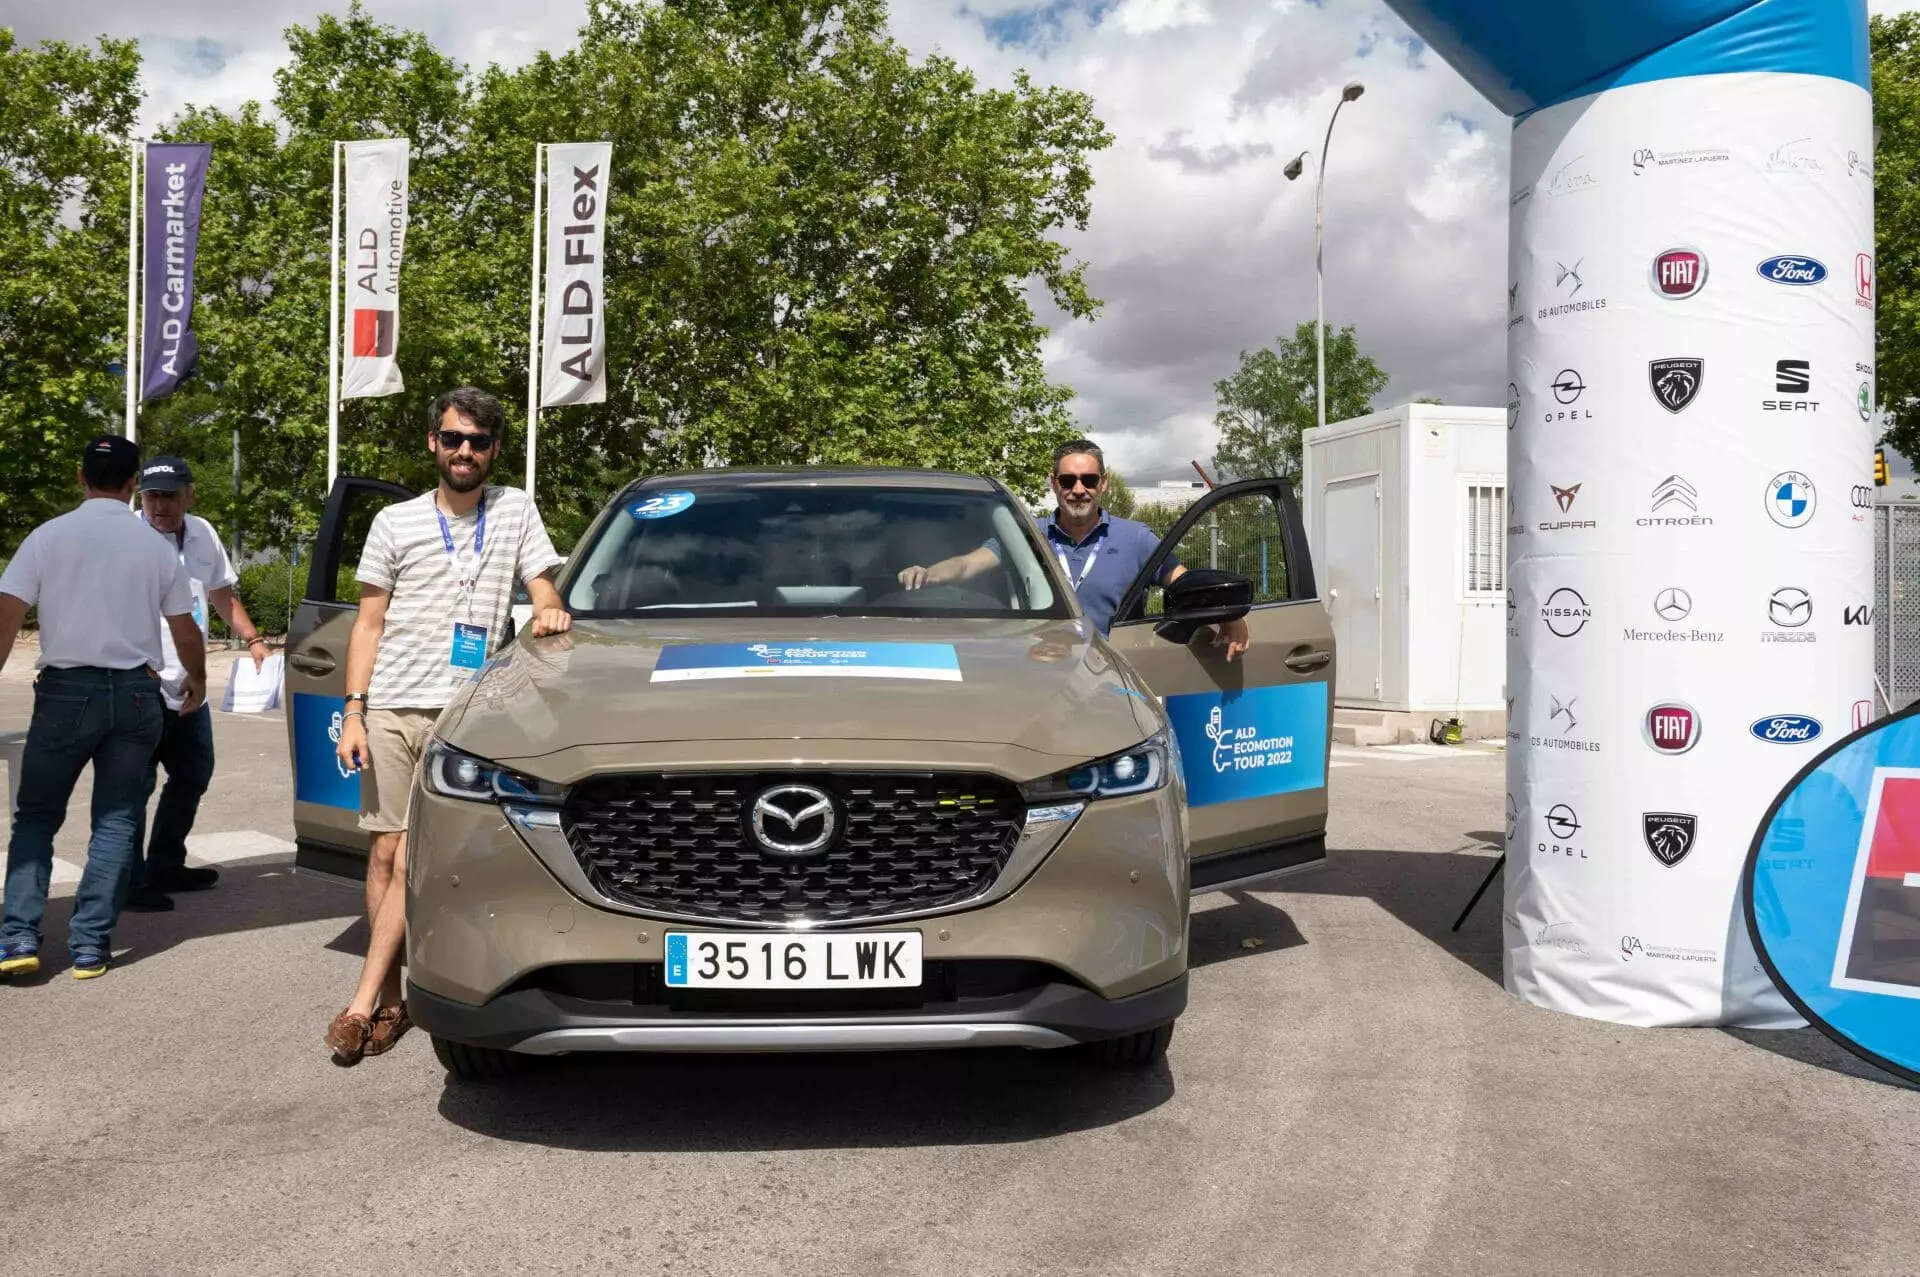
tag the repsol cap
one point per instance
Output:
(165, 474)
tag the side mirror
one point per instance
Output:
(1203, 596)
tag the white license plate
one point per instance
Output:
(783, 960)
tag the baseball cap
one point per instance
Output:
(109, 461)
(165, 474)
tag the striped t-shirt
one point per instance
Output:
(406, 555)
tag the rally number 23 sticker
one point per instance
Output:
(660, 505)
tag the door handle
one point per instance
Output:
(311, 662)
(1308, 661)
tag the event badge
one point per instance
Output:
(469, 646)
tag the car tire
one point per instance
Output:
(477, 1063)
(1134, 1051)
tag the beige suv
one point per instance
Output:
(763, 798)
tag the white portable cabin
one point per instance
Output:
(1406, 517)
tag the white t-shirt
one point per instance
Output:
(208, 569)
(102, 580)
(406, 555)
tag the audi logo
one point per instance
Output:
(1862, 497)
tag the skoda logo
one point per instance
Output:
(793, 820)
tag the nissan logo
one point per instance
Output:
(793, 820)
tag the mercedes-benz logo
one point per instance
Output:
(1672, 604)
(795, 810)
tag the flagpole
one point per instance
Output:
(533, 315)
(133, 281)
(333, 332)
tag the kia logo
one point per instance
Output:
(1858, 614)
(1786, 729)
(1799, 271)
(1679, 273)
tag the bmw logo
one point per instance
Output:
(1790, 499)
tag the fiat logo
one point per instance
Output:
(1672, 727)
(792, 821)
(1679, 273)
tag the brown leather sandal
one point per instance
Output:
(389, 1024)
(347, 1036)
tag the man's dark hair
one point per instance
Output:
(110, 463)
(478, 408)
(1081, 445)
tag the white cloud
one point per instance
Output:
(1142, 17)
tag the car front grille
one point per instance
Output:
(905, 842)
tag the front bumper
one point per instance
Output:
(1105, 911)
(542, 1022)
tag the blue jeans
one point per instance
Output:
(186, 751)
(110, 718)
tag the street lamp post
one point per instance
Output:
(1293, 170)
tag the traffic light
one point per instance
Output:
(1879, 467)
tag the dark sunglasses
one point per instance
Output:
(1070, 481)
(452, 439)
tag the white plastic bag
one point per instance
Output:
(251, 691)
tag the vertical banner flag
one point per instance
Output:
(573, 368)
(176, 182)
(376, 235)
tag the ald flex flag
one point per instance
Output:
(1251, 744)
(574, 369)
(376, 238)
(176, 182)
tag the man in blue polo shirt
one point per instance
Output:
(1100, 554)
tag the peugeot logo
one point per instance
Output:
(794, 810)
(1672, 604)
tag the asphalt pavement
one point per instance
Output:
(1350, 1091)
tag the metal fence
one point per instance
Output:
(1896, 603)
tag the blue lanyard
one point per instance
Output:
(479, 528)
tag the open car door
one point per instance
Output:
(1253, 733)
(326, 800)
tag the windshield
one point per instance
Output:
(806, 549)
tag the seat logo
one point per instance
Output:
(804, 818)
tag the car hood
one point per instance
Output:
(1050, 690)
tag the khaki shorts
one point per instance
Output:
(395, 740)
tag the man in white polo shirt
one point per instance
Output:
(186, 740)
(103, 583)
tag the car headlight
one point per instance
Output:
(453, 774)
(1134, 771)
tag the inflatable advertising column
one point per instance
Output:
(1690, 346)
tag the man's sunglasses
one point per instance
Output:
(452, 439)
(1069, 481)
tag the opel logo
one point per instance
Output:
(793, 820)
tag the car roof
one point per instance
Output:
(817, 476)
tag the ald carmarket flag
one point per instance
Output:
(176, 181)
(574, 369)
(376, 237)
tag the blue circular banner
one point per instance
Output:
(1832, 892)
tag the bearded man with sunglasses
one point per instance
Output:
(1100, 553)
(436, 586)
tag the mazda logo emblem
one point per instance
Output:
(793, 820)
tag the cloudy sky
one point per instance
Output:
(1199, 246)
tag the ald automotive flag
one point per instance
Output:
(574, 366)
(1833, 891)
(376, 236)
(176, 181)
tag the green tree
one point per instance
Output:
(64, 112)
(1895, 43)
(1270, 403)
(1119, 499)
(817, 252)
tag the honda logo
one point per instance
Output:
(1863, 280)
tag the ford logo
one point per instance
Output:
(1792, 270)
(1786, 729)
